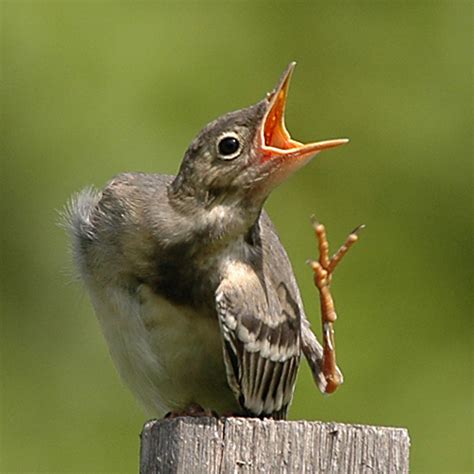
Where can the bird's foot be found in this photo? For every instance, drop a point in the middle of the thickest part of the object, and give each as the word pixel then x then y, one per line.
pixel 232 414
pixel 323 270
pixel 194 409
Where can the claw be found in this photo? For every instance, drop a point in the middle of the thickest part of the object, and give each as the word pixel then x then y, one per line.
pixel 194 410
pixel 327 334
pixel 314 221
pixel 358 229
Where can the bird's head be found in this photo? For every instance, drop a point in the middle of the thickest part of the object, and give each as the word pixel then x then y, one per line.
pixel 236 160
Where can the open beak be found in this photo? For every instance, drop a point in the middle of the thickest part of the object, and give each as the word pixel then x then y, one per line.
pixel 275 141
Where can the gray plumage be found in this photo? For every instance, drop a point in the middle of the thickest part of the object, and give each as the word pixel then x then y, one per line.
pixel 192 287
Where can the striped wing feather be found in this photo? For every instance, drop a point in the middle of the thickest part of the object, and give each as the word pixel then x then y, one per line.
pixel 261 345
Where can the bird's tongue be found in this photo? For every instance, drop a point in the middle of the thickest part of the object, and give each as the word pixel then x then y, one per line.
pixel 276 142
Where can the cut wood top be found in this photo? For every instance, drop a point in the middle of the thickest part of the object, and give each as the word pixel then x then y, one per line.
pixel 251 445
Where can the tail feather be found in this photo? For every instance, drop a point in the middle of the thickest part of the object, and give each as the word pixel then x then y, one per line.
pixel 76 218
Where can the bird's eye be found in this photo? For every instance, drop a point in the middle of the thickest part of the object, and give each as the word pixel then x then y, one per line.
pixel 229 147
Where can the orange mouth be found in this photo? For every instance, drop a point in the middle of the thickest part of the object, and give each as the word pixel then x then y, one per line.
pixel 276 140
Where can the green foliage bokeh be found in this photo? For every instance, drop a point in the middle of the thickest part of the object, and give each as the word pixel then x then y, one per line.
pixel 90 89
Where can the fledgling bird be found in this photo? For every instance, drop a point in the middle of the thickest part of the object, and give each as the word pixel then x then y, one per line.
pixel 193 290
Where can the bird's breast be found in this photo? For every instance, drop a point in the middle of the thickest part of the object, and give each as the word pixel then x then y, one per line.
pixel 169 355
pixel 189 274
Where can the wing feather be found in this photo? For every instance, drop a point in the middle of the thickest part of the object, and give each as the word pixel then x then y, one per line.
pixel 262 344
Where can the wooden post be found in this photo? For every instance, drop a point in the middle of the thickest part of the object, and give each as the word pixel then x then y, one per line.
pixel 250 445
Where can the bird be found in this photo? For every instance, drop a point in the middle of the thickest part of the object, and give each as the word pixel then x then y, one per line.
pixel 193 290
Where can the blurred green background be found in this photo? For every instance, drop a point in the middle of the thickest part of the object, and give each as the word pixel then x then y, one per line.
pixel 90 89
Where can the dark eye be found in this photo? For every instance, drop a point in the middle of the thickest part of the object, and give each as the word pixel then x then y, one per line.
pixel 228 147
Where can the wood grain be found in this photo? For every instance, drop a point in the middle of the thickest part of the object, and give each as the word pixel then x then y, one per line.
pixel 250 445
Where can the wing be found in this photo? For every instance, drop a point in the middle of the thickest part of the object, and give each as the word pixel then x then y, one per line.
pixel 261 333
pixel 273 251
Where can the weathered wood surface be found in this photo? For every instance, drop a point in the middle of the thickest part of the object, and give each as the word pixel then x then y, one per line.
pixel 249 445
